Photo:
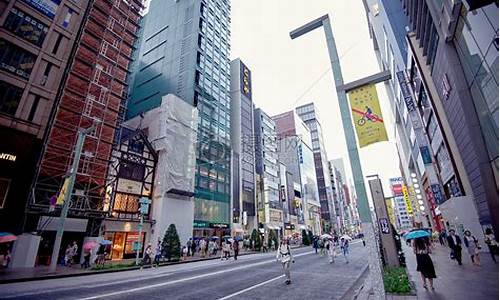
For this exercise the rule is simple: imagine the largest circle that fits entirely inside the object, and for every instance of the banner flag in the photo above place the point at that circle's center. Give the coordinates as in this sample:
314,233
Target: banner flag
62,193
367,115
406,196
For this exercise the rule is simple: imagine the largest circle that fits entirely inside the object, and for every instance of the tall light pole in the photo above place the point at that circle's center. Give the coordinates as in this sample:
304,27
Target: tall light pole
342,89
67,197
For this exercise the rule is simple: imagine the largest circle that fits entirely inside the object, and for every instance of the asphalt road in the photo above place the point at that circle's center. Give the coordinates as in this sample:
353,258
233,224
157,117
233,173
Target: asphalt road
256,276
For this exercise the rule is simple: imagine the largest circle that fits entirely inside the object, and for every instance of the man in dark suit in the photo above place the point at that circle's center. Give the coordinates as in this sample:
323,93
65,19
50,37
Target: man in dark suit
455,244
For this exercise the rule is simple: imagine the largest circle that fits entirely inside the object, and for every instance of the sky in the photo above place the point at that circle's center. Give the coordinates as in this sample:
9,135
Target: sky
287,73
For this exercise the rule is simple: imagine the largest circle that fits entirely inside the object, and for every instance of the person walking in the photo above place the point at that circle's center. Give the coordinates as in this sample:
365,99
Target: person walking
455,244
344,246
330,247
424,262
236,246
67,256
315,245
6,258
472,245
492,244
226,250
147,256
73,253
202,248
188,246
193,247
86,258
285,256
157,254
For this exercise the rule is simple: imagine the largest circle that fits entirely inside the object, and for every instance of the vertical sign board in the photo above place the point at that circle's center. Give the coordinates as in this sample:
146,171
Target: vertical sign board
406,196
245,81
386,237
367,115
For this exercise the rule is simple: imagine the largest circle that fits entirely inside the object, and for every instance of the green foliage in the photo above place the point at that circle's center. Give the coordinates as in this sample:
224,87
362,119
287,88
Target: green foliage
305,238
171,244
113,266
272,237
310,236
256,240
396,280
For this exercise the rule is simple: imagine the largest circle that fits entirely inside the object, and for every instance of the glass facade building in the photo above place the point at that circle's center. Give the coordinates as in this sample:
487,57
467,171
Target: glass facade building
185,51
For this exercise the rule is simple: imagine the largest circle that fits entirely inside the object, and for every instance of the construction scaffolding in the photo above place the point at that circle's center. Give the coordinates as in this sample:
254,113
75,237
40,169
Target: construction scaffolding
94,93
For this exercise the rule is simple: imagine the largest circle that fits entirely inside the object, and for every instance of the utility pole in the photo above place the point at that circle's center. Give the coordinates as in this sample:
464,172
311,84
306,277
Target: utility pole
143,209
342,89
67,197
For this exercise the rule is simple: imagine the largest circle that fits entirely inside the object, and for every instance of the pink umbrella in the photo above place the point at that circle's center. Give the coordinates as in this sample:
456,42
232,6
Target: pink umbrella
6,237
89,245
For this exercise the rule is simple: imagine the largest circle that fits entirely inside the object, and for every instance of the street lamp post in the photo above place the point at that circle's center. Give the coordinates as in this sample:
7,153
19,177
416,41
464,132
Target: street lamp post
363,206
67,197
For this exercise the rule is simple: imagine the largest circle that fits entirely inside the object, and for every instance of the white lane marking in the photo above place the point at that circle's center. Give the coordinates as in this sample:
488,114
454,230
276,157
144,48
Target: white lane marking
184,279
251,288
87,286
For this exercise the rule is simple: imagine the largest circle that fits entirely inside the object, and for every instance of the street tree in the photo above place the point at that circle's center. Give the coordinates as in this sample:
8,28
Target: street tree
171,244
272,237
255,237
305,238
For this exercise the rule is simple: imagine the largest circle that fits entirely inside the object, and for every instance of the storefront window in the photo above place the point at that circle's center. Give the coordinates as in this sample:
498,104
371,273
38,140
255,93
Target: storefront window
123,244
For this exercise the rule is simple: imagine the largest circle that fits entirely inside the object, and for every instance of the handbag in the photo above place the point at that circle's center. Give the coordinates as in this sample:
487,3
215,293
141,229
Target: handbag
452,255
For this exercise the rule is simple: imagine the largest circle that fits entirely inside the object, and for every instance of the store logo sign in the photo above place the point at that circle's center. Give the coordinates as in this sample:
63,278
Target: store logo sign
246,80
6,156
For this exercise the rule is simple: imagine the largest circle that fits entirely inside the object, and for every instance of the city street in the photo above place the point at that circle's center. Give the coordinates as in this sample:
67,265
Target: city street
256,276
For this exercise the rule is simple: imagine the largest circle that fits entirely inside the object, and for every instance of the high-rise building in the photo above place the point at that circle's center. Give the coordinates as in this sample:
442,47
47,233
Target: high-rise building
403,213
450,83
243,150
309,115
296,152
269,205
343,201
388,25
36,45
185,52
459,74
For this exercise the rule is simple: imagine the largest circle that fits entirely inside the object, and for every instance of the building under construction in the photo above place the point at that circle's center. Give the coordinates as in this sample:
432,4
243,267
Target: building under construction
93,93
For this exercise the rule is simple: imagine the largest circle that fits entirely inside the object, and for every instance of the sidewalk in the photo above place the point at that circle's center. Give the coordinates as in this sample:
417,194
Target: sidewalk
43,272
455,282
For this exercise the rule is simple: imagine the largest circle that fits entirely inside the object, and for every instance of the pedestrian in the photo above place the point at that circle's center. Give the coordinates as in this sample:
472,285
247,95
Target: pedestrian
285,256
424,262
344,246
6,258
226,250
491,243
67,256
147,256
193,248
157,254
216,247
188,246
202,248
455,244
236,246
86,258
364,243
210,250
74,252
321,246
473,247
315,245
101,255
330,247
273,245
206,247
185,252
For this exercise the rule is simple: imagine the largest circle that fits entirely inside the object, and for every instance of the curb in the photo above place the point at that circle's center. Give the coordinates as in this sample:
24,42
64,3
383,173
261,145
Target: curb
57,276
359,281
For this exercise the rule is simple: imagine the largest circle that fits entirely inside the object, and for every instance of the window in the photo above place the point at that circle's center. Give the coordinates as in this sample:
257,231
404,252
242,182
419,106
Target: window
16,60
34,106
57,44
26,27
126,203
132,171
67,18
10,96
45,77
136,146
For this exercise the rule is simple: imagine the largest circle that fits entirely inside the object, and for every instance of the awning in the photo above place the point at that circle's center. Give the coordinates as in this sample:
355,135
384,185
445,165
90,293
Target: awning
272,226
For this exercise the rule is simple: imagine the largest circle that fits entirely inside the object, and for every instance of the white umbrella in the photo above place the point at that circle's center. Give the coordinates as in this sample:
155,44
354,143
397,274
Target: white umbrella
346,237
326,236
